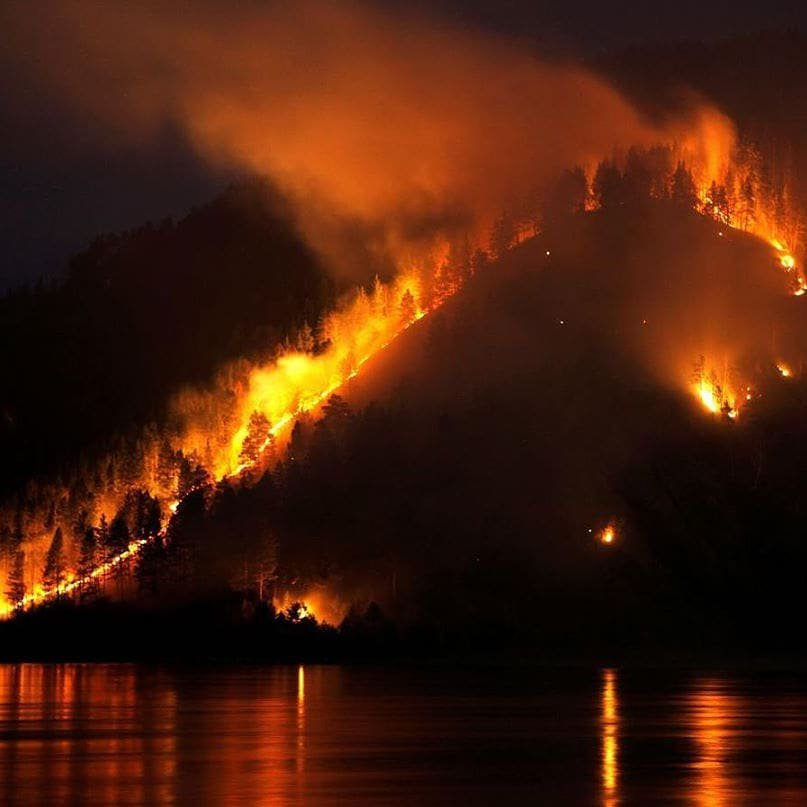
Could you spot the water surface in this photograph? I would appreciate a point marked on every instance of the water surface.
(125, 734)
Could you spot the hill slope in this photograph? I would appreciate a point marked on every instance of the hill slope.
(141, 314)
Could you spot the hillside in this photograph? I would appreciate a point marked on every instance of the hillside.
(143, 313)
(555, 395)
(464, 480)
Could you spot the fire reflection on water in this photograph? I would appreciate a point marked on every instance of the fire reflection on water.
(76, 723)
(609, 724)
(123, 734)
(714, 715)
(300, 718)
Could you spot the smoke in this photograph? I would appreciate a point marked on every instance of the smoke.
(399, 124)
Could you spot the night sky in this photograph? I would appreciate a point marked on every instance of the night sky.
(59, 188)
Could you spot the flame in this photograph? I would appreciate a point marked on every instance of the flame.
(316, 602)
(743, 190)
(73, 584)
(282, 390)
(715, 392)
(608, 534)
(714, 400)
(784, 370)
(215, 425)
(708, 399)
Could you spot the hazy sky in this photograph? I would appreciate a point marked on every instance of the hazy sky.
(595, 25)
(58, 189)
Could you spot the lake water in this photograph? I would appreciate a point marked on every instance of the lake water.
(120, 734)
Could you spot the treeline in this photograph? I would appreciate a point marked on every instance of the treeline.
(141, 314)
(221, 538)
(759, 80)
(755, 194)
(215, 629)
(463, 502)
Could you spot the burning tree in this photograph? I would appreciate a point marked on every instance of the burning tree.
(53, 575)
(258, 438)
(15, 585)
(87, 562)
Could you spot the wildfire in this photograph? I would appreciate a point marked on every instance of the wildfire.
(715, 399)
(221, 425)
(232, 428)
(759, 221)
(315, 602)
(73, 584)
(708, 398)
(788, 262)
(296, 383)
(608, 534)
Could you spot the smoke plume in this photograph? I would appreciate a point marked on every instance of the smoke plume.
(401, 125)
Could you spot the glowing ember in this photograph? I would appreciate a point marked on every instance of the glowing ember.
(784, 370)
(714, 394)
(608, 534)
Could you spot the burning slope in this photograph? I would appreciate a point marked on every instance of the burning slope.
(226, 432)
(295, 384)
(515, 434)
(421, 146)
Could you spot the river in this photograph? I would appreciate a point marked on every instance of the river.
(128, 734)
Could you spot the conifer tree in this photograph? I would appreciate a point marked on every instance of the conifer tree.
(55, 566)
(88, 560)
(258, 437)
(15, 586)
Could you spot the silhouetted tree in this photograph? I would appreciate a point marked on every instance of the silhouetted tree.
(502, 236)
(336, 409)
(15, 585)
(150, 566)
(119, 537)
(480, 260)
(748, 203)
(683, 191)
(186, 532)
(88, 560)
(297, 442)
(607, 186)
(50, 518)
(54, 572)
(637, 181)
(167, 467)
(192, 476)
(567, 195)
(408, 307)
(258, 437)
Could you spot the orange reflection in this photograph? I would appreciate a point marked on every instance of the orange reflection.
(77, 727)
(714, 717)
(300, 718)
(609, 726)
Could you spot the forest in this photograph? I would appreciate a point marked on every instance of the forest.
(449, 498)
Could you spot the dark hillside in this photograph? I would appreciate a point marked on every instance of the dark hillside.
(466, 478)
(141, 314)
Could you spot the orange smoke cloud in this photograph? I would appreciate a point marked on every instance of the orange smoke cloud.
(401, 124)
